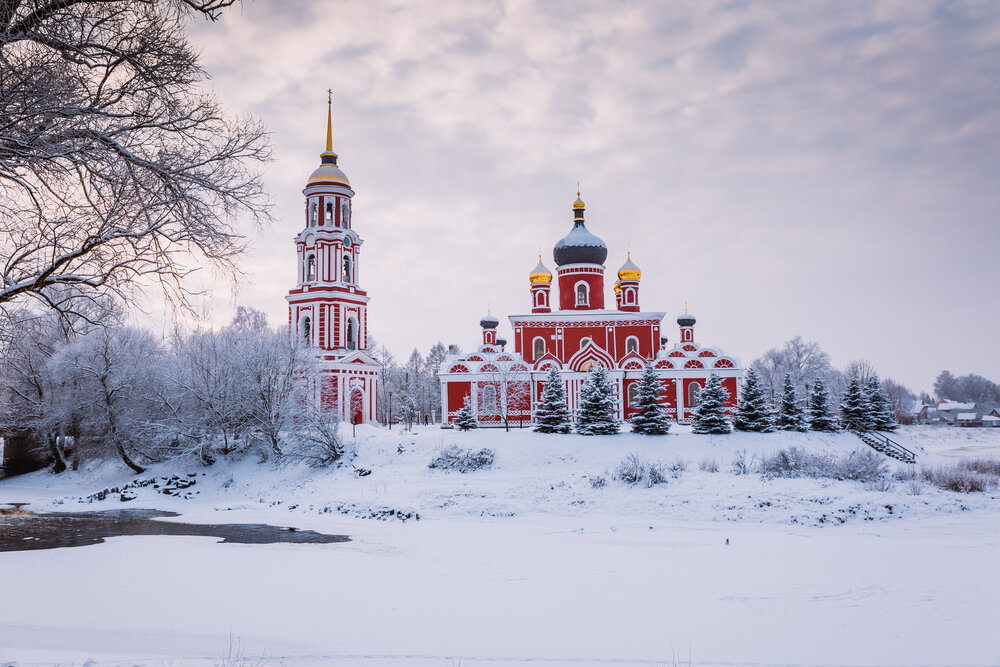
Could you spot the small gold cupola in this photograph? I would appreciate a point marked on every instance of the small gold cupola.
(540, 274)
(328, 171)
(629, 270)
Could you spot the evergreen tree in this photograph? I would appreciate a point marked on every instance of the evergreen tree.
(854, 405)
(820, 418)
(879, 410)
(552, 415)
(790, 417)
(597, 406)
(466, 418)
(651, 418)
(752, 410)
(710, 416)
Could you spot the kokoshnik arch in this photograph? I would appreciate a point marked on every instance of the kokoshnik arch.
(327, 309)
(578, 336)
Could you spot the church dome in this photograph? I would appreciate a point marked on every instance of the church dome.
(629, 270)
(686, 320)
(540, 274)
(489, 321)
(579, 246)
(328, 173)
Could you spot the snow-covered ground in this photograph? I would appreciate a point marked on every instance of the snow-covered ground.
(526, 561)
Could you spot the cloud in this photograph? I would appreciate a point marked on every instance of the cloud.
(826, 169)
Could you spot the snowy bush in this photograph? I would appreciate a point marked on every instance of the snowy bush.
(462, 460)
(860, 466)
(960, 478)
(740, 466)
(982, 466)
(633, 470)
(708, 465)
(598, 482)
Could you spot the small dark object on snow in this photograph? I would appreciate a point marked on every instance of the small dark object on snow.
(399, 449)
(361, 472)
(727, 540)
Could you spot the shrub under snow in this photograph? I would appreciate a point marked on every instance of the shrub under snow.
(859, 465)
(462, 460)
(633, 470)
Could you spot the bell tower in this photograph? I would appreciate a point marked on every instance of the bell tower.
(327, 308)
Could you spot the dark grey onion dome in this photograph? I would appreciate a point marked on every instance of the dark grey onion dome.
(579, 246)
(489, 322)
(502, 342)
(664, 340)
(686, 320)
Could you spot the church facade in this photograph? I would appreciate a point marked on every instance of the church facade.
(327, 308)
(576, 336)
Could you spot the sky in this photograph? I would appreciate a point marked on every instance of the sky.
(823, 169)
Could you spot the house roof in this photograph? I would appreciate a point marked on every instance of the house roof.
(970, 416)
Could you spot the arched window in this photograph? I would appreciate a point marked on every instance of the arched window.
(347, 268)
(694, 392)
(633, 393)
(311, 268)
(307, 331)
(631, 345)
(329, 213)
(581, 294)
(345, 213)
(313, 213)
(539, 348)
(352, 333)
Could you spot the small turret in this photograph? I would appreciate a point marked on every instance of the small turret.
(628, 284)
(489, 323)
(686, 323)
(540, 279)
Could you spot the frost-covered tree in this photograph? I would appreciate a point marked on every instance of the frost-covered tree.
(879, 411)
(820, 418)
(465, 418)
(651, 418)
(790, 417)
(753, 412)
(552, 415)
(854, 405)
(116, 166)
(598, 407)
(710, 416)
(800, 358)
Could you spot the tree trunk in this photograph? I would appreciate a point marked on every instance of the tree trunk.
(127, 459)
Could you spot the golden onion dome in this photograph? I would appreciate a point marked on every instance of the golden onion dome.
(540, 274)
(629, 270)
(618, 287)
(579, 202)
(328, 173)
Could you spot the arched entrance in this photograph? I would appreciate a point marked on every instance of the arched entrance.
(357, 406)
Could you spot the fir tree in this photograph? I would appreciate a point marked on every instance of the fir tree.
(752, 410)
(879, 410)
(552, 415)
(790, 417)
(651, 418)
(597, 406)
(465, 419)
(854, 405)
(710, 416)
(820, 418)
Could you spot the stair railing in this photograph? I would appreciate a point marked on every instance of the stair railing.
(898, 451)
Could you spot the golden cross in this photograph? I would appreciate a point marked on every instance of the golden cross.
(329, 95)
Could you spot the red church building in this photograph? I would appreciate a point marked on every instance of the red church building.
(327, 308)
(580, 334)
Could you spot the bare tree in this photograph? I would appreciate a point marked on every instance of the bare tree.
(116, 169)
(801, 359)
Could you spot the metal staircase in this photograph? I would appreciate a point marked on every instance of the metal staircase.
(880, 442)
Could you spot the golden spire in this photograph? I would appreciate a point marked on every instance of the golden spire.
(329, 120)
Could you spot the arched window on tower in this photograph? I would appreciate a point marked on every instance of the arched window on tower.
(307, 331)
(581, 294)
(352, 334)
(631, 345)
(347, 269)
(539, 347)
(313, 213)
(633, 394)
(345, 213)
(694, 393)
(310, 268)
(329, 213)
